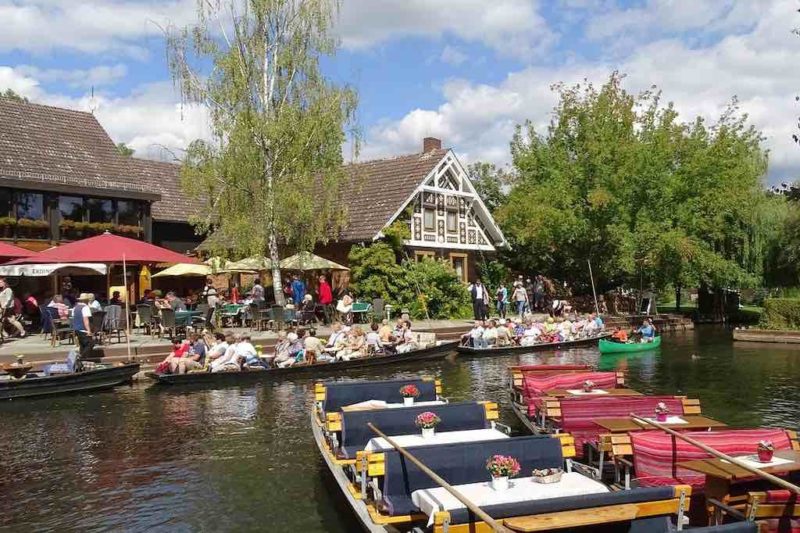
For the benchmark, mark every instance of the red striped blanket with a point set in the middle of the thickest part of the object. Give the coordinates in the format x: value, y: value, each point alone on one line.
x: 538, y: 385
x: 656, y: 454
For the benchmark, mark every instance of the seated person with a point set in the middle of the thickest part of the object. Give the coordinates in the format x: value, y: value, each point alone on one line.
x: 385, y: 332
x: 229, y: 362
x: 94, y: 305
x: 280, y: 346
x: 374, y: 344
x: 170, y: 364
x: 647, y: 331
x: 490, y: 334
x: 58, y: 303
x: 619, y: 335
x: 504, y: 335
x: 356, y: 345
x: 246, y: 352
x: 115, y: 299
x: 218, y: 346
x: 289, y: 351
x: 336, y: 338
x: 175, y: 303
x: 194, y: 359
x: 531, y: 335
x: 476, y: 335
x: 314, y: 350
x: 406, y: 342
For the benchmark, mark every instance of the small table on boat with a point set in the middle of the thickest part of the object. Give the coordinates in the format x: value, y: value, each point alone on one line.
x: 433, y: 500
x: 443, y: 437
x: 564, y: 393
x: 626, y: 424
x: 721, y: 474
x: 380, y: 404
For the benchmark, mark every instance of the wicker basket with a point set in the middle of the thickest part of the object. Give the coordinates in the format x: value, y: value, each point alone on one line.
x: 553, y: 477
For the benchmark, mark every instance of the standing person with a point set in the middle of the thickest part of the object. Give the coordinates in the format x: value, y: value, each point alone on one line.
x: 81, y: 325
x: 257, y: 292
x: 501, y: 300
x: 529, y: 289
x: 520, y: 299
x: 325, y: 298
x: 298, y: 289
x: 210, y: 294
x: 235, y: 296
x: 7, y: 308
x: 480, y: 297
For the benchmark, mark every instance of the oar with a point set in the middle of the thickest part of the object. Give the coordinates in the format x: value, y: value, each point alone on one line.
x: 444, y: 484
x: 757, y: 471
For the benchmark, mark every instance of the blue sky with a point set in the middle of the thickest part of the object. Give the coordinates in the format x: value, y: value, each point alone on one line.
x: 463, y: 70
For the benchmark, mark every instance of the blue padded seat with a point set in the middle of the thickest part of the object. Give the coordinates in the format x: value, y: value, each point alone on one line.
x: 459, y: 464
x: 401, y: 421
x: 342, y: 393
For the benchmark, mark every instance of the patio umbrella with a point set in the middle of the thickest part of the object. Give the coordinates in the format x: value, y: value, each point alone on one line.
x: 63, y: 269
x: 256, y: 262
x: 309, y: 261
x: 9, y: 251
x: 185, y: 270
x: 107, y: 248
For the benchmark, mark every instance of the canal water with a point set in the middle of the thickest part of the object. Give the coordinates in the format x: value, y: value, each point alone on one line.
x: 242, y: 458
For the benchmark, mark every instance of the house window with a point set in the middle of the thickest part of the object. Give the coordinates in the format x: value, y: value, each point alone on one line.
x: 71, y: 208
x: 100, y: 210
x: 420, y: 255
x: 459, y: 264
x: 452, y: 222
x: 6, y: 201
x: 30, y: 205
x: 429, y: 216
x: 128, y: 212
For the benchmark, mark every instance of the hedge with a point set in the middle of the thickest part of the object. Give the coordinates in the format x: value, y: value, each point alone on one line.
x: 781, y: 313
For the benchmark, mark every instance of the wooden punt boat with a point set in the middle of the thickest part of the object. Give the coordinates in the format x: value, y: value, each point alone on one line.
x: 439, y: 351
x: 607, y: 346
x: 506, y: 350
x: 37, y: 384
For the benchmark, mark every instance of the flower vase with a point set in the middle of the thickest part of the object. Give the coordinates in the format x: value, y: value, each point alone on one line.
x: 661, y: 417
x: 765, y: 456
x: 500, y: 484
x: 408, y: 401
x: 587, y: 390
x: 427, y: 433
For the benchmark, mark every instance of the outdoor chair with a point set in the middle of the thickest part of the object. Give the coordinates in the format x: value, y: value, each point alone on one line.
x: 169, y: 324
x: 257, y: 317
x: 115, y: 322
x: 97, y: 321
x: 377, y: 309
x: 276, y: 317
x: 146, y: 318
x: 55, y: 327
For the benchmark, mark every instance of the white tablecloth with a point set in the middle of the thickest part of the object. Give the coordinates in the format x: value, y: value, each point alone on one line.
x: 670, y: 420
x: 380, y: 404
x: 752, y: 461
x: 581, y: 392
x: 482, y: 494
x: 445, y: 437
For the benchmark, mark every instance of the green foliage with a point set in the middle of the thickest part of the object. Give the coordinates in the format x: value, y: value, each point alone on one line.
x: 617, y: 179
x: 428, y: 288
x: 124, y: 151
x: 11, y: 95
x: 488, y: 181
x: 492, y: 273
x: 273, y: 175
x: 781, y: 313
x: 397, y: 232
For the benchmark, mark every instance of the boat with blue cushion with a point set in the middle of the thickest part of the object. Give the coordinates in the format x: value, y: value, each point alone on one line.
x: 390, y: 493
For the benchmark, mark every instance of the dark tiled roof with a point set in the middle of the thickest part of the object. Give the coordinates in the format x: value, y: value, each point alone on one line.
x: 165, y: 179
x: 379, y: 188
x: 46, y: 144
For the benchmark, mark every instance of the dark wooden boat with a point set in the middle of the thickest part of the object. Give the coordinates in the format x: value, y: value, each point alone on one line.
x: 440, y: 351
x: 37, y: 384
x: 467, y: 350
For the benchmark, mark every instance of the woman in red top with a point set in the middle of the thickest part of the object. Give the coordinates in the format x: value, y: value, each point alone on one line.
x: 325, y: 298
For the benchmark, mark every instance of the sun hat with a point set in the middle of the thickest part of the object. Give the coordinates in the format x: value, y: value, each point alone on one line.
x: 291, y: 337
x: 85, y: 297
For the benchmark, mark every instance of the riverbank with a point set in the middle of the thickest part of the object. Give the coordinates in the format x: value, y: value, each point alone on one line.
x: 767, y: 335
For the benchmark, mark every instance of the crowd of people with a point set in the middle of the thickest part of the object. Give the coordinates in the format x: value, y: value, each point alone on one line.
x: 504, y: 332
x: 644, y: 333
x: 230, y: 352
x: 523, y: 297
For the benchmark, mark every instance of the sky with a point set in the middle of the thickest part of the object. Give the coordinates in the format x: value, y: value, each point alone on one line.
x: 466, y: 71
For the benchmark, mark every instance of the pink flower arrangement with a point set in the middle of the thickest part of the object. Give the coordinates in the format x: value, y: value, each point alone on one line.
x: 588, y: 385
x: 662, y: 409
x: 427, y: 420
x: 766, y: 445
x: 502, y: 466
x: 409, y: 391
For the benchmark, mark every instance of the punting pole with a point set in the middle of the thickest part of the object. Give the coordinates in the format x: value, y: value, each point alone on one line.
x: 127, y: 305
x: 757, y: 471
x: 449, y: 488
x: 594, y: 293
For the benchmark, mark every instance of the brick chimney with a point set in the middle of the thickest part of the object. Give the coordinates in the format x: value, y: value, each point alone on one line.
x: 429, y: 144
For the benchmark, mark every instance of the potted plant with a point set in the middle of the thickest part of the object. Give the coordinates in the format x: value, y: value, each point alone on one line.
x: 7, y: 225
x: 427, y: 422
x: 502, y: 467
x: 662, y: 412
x: 765, y: 451
x: 32, y: 229
x: 588, y: 385
x: 409, y: 393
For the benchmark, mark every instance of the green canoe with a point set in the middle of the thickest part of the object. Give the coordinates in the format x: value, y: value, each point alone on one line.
x: 628, y: 347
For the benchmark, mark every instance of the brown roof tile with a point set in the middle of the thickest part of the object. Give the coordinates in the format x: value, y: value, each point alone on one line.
x: 165, y: 179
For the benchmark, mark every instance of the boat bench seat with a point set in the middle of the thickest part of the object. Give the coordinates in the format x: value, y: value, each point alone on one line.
x: 458, y: 464
x: 519, y: 373
x: 655, y: 455
x: 337, y: 394
x: 460, y: 416
x: 576, y: 415
x: 535, y: 386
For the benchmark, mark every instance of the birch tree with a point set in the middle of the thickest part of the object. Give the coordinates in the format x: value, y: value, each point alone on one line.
x: 272, y: 174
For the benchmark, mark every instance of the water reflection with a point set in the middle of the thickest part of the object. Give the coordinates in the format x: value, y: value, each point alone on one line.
x: 242, y: 458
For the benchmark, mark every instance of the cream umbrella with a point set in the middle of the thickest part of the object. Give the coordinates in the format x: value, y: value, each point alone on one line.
x: 185, y: 270
x: 257, y: 262
x: 309, y: 261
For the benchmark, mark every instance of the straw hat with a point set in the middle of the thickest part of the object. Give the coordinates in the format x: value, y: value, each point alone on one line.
x: 291, y: 337
x: 85, y: 297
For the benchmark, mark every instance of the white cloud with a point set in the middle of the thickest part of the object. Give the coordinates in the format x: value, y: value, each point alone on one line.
x: 757, y: 67
x: 98, y: 76
x: 510, y: 27
x: 452, y: 55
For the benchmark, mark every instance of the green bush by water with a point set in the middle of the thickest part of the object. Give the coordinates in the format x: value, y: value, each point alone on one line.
x: 781, y: 313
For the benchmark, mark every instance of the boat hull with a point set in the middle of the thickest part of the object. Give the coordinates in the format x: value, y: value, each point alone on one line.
x: 90, y: 380
x: 481, y: 352
x: 618, y: 347
x: 435, y: 352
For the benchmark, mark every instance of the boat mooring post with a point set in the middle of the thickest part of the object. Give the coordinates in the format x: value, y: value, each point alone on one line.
x: 594, y: 293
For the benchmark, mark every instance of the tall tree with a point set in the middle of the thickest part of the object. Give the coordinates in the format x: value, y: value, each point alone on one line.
x: 489, y: 182
x: 124, y: 150
x: 273, y: 173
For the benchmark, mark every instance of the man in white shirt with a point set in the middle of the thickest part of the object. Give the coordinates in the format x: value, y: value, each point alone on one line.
x: 94, y: 305
x: 480, y: 299
x: 337, y: 335
x: 257, y: 292
x: 476, y: 335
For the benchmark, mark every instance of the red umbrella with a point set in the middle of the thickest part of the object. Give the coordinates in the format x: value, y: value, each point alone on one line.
x: 9, y: 251
x: 108, y: 248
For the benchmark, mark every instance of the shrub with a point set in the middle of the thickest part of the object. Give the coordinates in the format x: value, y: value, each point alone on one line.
x: 781, y: 313
x: 374, y: 272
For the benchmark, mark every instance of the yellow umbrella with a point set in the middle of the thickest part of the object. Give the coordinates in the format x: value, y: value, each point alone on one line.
x: 309, y: 261
x: 256, y: 262
x: 184, y: 269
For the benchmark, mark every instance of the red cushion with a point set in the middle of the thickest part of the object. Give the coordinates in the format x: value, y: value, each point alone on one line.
x: 537, y: 385
x: 780, y: 496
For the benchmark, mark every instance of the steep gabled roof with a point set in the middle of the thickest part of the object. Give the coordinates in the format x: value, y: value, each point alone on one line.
x: 378, y: 188
x: 165, y: 178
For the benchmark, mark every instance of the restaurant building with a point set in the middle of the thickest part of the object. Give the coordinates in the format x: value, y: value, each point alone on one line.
x: 62, y: 179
